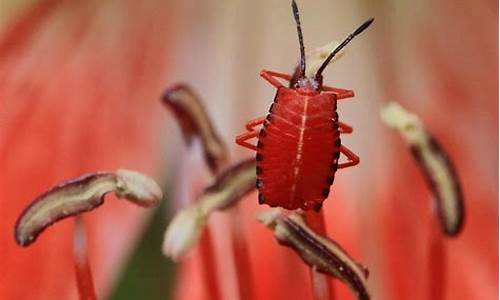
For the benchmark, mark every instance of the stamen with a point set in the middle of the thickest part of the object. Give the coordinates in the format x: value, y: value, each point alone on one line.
x: 319, y: 252
x: 316, y: 57
x: 83, y: 272
x: 83, y: 194
x: 195, y: 122
x: 433, y: 161
x: 230, y: 187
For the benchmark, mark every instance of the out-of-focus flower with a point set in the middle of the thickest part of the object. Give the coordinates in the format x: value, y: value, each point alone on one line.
x: 79, y: 83
x: 436, y: 57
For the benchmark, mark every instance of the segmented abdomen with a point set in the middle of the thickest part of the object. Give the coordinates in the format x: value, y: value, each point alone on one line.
x: 298, y: 150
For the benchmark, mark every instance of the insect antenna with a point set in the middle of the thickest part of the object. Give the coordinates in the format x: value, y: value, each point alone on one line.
x: 301, y: 40
x: 342, y: 45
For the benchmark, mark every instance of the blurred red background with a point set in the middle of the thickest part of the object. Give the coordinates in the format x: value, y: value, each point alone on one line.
x: 79, y: 91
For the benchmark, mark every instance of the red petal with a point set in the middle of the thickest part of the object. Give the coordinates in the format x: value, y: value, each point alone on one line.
x: 79, y: 89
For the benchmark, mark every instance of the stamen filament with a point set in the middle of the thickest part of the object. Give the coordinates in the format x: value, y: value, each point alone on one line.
x: 323, y: 285
x: 209, y: 265
x: 83, y: 272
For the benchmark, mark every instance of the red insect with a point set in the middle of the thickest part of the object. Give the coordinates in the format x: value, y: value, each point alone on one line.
x: 299, y: 145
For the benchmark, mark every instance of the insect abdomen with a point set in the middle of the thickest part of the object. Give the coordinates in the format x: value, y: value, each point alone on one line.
x: 298, y: 150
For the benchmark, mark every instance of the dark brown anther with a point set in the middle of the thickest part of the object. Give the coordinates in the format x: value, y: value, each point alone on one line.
x: 83, y: 194
x: 451, y: 213
x: 434, y: 163
x: 319, y: 252
x: 194, y: 122
x: 230, y: 187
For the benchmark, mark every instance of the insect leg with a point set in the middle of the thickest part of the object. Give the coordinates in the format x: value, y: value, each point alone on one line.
x: 244, y: 137
x: 250, y: 134
x: 340, y: 93
x: 344, y: 128
x: 255, y: 122
x: 353, y: 159
x: 270, y: 77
